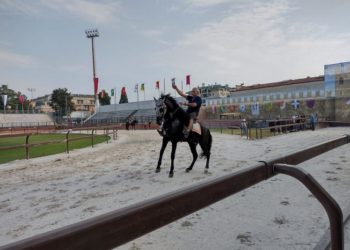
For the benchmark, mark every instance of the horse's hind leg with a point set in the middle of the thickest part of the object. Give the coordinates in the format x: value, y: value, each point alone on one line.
x: 207, y: 164
x: 173, y: 150
x: 194, y: 154
x: 164, y: 144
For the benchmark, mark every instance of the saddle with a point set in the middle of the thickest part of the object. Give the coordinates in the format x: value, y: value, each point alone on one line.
x: 196, y: 128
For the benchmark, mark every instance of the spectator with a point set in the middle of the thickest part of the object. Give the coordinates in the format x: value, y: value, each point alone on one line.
x: 244, y: 127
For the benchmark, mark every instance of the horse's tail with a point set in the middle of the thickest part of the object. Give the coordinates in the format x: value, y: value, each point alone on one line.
x: 205, y: 141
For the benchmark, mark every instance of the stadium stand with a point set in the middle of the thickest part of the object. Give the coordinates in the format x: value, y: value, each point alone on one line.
x: 25, y: 120
x: 142, y: 111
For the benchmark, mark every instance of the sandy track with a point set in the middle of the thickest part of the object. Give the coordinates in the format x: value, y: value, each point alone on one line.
x: 42, y: 194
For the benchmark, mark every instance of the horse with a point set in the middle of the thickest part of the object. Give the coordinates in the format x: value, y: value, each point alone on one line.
x: 173, y: 119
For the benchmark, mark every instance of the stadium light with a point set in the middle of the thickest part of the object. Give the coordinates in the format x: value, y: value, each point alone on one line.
x: 92, y: 34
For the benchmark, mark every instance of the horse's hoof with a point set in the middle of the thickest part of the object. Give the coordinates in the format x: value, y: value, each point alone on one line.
x: 171, y: 175
x: 188, y: 170
x: 157, y: 170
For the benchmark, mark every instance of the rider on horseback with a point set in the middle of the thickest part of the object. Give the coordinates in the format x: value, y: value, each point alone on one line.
x: 194, y: 104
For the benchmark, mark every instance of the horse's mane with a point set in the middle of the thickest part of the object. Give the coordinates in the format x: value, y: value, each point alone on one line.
x: 171, y: 99
x: 180, y: 113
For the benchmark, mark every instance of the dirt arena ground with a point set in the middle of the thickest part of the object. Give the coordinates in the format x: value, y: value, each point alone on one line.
x: 42, y: 194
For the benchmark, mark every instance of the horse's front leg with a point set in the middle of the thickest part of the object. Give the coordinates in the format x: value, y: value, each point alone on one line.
x: 173, y: 150
x: 164, y: 144
x: 194, y: 154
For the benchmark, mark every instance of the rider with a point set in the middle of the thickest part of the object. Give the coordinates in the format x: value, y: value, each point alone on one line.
x: 194, y: 104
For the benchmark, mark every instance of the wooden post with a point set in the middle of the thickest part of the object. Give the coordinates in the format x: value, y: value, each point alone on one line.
x: 27, y: 147
x: 92, y: 138
x: 67, y: 142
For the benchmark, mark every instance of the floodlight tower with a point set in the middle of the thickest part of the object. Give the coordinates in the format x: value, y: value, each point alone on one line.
x: 92, y: 34
x: 31, y: 90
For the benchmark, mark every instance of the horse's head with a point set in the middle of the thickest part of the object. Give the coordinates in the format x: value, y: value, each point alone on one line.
x: 165, y: 104
x: 160, y: 109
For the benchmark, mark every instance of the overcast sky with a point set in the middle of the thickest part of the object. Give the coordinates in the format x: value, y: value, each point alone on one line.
x: 43, y: 43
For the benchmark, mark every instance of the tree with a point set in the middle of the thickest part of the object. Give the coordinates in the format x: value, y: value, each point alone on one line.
x: 13, y: 102
x: 104, y: 98
x: 123, y: 96
x: 61, y: 101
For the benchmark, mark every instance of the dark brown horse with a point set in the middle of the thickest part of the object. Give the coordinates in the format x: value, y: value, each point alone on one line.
x: 172, y: 118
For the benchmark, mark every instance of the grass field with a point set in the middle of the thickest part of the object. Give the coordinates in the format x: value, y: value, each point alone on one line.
x: 43, y: 150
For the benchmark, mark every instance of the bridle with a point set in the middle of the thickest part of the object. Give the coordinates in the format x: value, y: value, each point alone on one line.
x: 162, y: 109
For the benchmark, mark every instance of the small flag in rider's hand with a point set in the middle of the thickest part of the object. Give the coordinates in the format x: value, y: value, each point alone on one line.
x: 188, y: 80
x: 136, y: 88
x: 157, y: 84
x: 173, y: 81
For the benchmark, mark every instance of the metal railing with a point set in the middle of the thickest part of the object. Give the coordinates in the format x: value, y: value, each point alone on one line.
x: 91, y: 134
x: 123, y: 225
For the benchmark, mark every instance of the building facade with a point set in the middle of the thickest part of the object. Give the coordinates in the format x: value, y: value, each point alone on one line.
x: 328, y: 96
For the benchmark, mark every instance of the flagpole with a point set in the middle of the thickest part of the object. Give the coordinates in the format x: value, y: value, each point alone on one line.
x: 137, y: 92
x: 115, y: 95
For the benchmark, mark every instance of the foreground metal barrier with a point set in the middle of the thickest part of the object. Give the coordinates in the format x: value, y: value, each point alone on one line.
x: 332, y: 208
x: 125, y: 224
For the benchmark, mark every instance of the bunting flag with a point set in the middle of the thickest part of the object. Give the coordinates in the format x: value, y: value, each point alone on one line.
x: 295, y: 104
x: 232, y: 108
x: 157, y: 84
x: 255, y: 109
x: 123, y: 91
x: 213, y: 109
x: 112, y: 92
x: 136, y: 88
x: 282, y: 104
x: 142, y: 87
x: 268, y: 106
x: 222, y: 109
x: 242, y: 108
x: 188, y: 80
x: 95, y: 85
x: 310, y: 103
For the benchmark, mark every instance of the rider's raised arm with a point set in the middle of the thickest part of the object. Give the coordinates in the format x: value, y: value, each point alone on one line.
x: 179, y: 91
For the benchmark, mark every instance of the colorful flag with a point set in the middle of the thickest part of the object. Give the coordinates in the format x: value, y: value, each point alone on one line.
x: 21, y: 99
x: 95, y: 85
x: 123, y: 91
x: 4, y: 99
x: 255, y: 109
x: 157, y: 84
x: 242, y: 108
x: 112, y: 92
x: 188, y: 80
x: 310, y: 103
x: 142, y: 87
x: 136, y: 88
x: 295, y: 104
